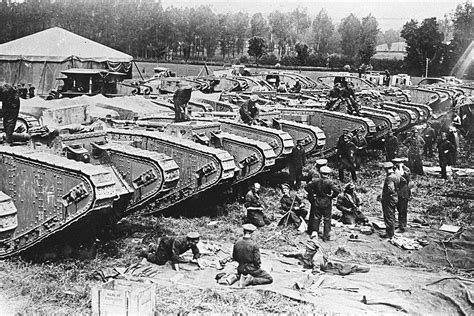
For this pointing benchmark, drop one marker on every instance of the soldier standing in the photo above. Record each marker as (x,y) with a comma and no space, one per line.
(296,163)
(346,154)
(323,191)
(361,148)
(247,254)
(445,150)
(390,198)
(429,136)
(415,144)
(391,146)
(404,192)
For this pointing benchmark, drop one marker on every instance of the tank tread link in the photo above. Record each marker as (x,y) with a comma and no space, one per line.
(145,174)
(49,193)
(332,123)
(200,167)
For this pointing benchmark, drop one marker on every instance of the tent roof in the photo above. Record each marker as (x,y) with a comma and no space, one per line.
(56,44)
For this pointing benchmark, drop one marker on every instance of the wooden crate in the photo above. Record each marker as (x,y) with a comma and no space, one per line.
(121,297)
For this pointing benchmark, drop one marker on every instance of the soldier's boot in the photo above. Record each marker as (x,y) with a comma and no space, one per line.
(317,223)
(327,229)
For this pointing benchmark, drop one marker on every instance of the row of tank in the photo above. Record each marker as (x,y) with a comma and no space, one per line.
(146,163)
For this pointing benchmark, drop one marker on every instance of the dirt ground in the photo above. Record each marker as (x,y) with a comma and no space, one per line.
(63,286)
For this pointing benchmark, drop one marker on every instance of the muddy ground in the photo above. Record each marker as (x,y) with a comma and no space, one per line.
(63,285)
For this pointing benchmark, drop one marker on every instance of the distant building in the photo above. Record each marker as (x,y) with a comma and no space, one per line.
(396,50)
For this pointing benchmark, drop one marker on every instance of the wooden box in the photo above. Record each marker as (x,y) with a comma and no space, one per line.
(121,297)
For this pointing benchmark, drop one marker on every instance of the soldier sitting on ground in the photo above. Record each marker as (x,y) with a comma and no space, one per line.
(170,248)
(349,204)
(247,254)
(254,207)
(292,208)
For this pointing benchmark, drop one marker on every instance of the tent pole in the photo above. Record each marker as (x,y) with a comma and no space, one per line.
(139,72)
(41,78)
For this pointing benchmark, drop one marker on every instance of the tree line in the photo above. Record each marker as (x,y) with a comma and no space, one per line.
(144,29)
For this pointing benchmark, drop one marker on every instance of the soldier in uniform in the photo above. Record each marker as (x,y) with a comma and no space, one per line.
(445,150)
(31,91)
(323,191)
(292,208)
(404,192)
(170,248)
(349,204)
(361,148)
(181,98)
(386,78)
(247,254)
(296,163)
(10,108)
(390,198)
(391,146)
(415,145)
(429,136)
(313,176)
(254,207)
(346,154)
(248,110)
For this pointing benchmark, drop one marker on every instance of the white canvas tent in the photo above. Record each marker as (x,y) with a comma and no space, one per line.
(40,57)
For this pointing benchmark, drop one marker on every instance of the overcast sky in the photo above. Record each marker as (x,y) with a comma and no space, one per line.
(389,13)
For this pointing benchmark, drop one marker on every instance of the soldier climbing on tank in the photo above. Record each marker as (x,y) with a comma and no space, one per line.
(349,97)
(10,98)
(334,96)
(181,98)
(249,111)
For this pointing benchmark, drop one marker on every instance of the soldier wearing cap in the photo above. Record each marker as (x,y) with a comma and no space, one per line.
(249,111)
(254,207)
(292,208)
(404,192)
(323,191)
(390,198)
(296,163)
(170,248)
(247,253)
(415,145)
(31,91)
(181,98)
(349,204)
